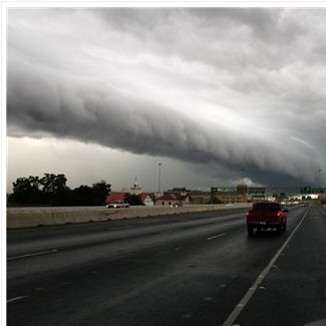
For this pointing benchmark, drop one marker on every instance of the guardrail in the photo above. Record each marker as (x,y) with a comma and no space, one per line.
(32,216)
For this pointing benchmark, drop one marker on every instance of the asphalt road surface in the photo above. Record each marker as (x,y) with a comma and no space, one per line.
(187,269)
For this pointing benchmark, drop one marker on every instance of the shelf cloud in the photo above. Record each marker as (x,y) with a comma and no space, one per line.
(240,88)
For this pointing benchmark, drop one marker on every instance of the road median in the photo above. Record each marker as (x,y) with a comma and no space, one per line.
(39,216)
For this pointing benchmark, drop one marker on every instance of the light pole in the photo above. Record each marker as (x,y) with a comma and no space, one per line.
(319,179)
(159,177)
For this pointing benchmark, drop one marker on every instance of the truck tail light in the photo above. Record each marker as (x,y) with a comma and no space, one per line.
(279,214)
(247,214)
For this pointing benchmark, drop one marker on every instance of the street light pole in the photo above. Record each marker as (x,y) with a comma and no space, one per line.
(159,177)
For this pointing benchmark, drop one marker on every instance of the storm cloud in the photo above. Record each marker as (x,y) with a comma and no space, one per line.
(241,88)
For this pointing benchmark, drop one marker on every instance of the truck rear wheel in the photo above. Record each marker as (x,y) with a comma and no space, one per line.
(280,229)
(250,230)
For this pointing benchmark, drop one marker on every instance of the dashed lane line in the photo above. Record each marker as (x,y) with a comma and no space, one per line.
(216,236)
(52,251)
(17,298)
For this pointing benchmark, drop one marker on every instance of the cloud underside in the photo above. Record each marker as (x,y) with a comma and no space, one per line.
(103,115)
(128,92)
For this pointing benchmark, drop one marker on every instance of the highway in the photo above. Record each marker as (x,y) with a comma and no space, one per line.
(183,269)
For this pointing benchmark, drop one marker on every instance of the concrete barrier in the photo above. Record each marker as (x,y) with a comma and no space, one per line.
(31,217)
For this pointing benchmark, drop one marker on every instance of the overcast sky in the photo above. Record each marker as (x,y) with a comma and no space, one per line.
(218,96)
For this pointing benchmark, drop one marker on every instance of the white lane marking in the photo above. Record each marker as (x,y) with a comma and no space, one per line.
(17,298)
(244,301)
(34,254)
(216,236)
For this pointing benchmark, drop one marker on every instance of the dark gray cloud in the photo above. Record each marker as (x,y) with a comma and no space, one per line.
(232,87)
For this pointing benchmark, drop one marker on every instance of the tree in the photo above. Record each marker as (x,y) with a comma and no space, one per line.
(26,191)
(100,191)
(133,199)
(82,196)
(55,191)
(52,190)
(53,183)
(26,184)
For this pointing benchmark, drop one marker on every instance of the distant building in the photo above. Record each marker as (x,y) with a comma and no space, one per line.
(179,190)
(172,199)
(229,195)
(200,197)
(115,197)
(135,189)
(256,193)
(146,199)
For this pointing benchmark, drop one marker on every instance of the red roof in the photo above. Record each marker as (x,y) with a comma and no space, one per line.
(115,196)
(168,197)
(172,196)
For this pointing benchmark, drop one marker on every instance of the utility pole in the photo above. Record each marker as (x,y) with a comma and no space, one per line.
(159,177)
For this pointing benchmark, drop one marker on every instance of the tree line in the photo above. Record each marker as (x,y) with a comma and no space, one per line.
(52,190)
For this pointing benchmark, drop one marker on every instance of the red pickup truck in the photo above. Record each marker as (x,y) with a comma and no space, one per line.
(266,215)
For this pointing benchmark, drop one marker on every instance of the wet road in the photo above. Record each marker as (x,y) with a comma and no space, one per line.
(187,269)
